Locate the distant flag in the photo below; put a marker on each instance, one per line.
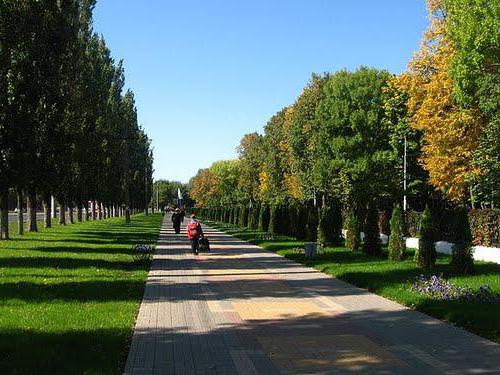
(179, 197)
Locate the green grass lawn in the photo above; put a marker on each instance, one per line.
(70, 295)
(393, 280)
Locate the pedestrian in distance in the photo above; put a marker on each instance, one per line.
(194, 233)
(176, 220)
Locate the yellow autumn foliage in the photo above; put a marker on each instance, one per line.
(450, 133)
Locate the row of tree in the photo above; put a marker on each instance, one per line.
(67, 129)
(359, 141)
(166, 194)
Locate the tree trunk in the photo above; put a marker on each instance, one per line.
(32, 227)
(53, 207)
(104, 211)
(71, 216)
(47, 211)
(20, 212)
(99, 214)
(4, 214)
(93, 209)
(127, 215)
(62, 214)
(79, 213)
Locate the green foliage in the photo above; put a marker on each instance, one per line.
(353, 240)
(371, 244)
(354, 136)
(397, 244)
(474, 28)
(425, 256)
(462, 260)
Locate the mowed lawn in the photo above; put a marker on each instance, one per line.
(394, 280)
(69, 296)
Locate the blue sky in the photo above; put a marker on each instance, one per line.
(207, 72)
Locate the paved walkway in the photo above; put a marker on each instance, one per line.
(243, 310)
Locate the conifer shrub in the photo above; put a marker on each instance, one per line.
(397, 244)
(264, 218)
(312, 224)
(425, 256)
(353, 240)
(326, 234)
(371, 244)
(462, 260)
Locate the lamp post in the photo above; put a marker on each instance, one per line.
(404, 177)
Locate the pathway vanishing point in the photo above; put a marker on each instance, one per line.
(243, 310)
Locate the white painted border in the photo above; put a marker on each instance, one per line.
(483, 253)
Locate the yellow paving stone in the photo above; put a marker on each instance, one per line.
(264, 310)
(303, 354)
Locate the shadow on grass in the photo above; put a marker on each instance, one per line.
(65, 263)
(72, 291)
(98, 351)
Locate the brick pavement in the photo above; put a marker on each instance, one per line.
(243, 310)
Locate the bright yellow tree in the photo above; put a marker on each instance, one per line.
(451, 134)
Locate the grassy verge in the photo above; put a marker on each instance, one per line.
(393, 280)
(69, 296)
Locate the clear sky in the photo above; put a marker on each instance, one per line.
(207, 72)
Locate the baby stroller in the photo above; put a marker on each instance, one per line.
(203, 245)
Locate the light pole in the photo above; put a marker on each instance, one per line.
(404, 177)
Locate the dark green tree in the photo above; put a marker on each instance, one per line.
(425, 256)
(371, 244)
(397, 244)
(462, 260)
(353, 240)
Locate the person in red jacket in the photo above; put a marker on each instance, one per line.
(194, 232)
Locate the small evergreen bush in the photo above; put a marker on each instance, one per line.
(326, 235)
(353, 240)
(372, 245)
(425, 256)
(397, 244)
(462, 260)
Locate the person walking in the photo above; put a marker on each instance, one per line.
(194, 232)
(176, 220)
